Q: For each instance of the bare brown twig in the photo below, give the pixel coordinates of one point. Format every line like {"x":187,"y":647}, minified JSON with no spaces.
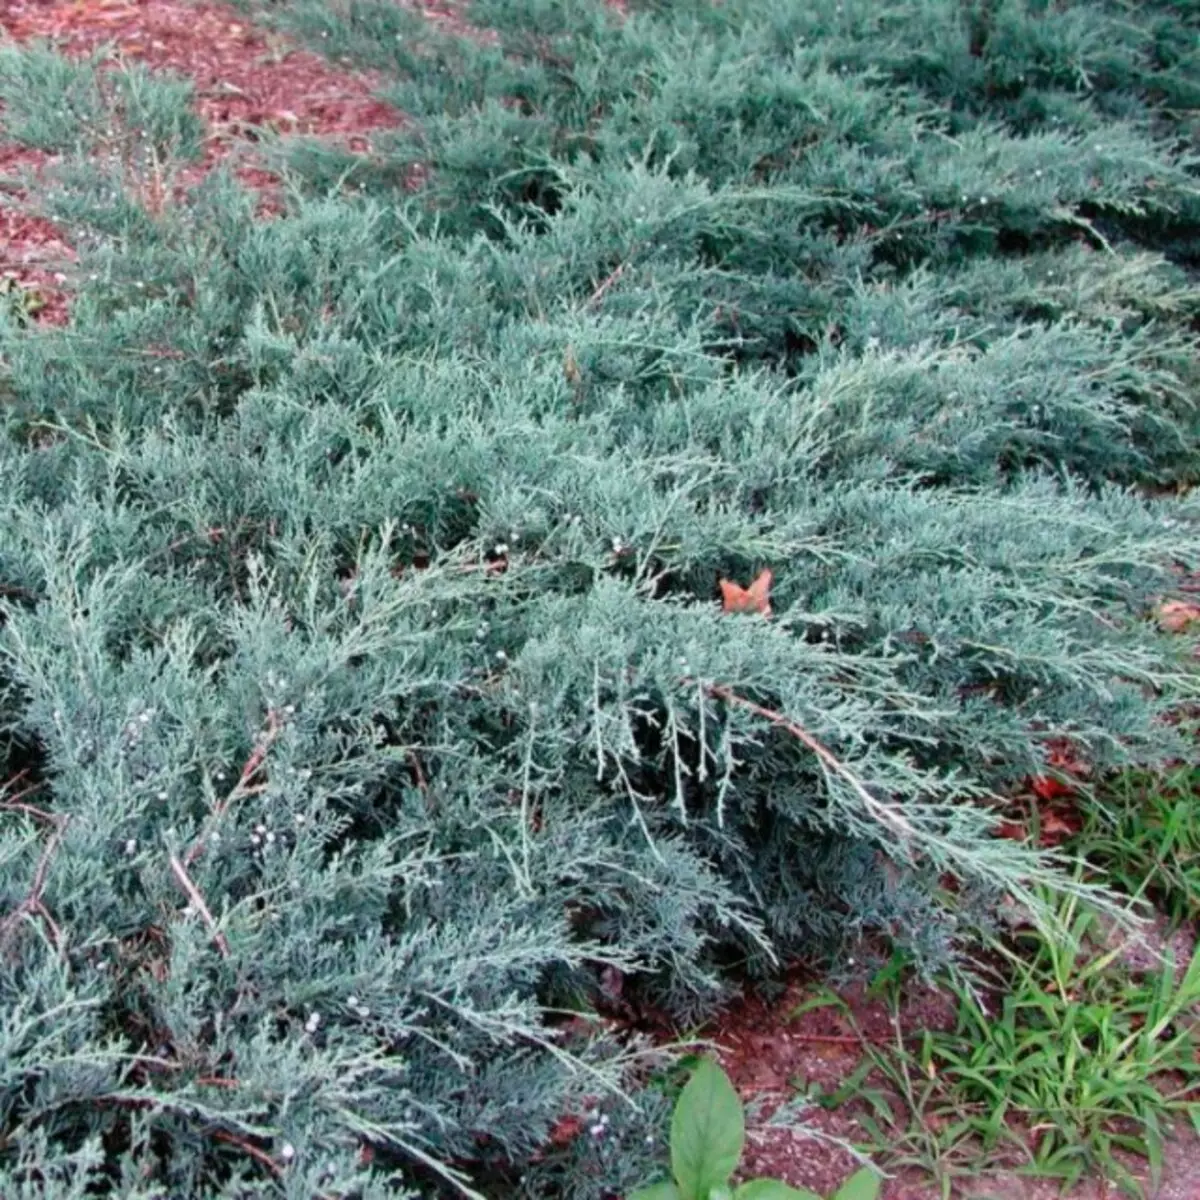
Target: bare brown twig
{"x":197,"y":902}
{"x":32,"y":904}
{"x":886,"y":814}
{"x":261,"y":1156}
{"x":605,"y":284}
{"x":29,"y":810}
{"x":243,"y":787}
{"x":51,"y":925}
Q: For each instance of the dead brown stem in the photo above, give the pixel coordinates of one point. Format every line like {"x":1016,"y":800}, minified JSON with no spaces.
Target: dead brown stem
{"x":51,"y":925}
{"x":886,"y":814}
{"x":243,"y":787}
{"x":197,"y":902}
{"x":605,"y":284}
{"x":29,"y":810}
{"x":260,"y":1156}
{"x":33,"y":898}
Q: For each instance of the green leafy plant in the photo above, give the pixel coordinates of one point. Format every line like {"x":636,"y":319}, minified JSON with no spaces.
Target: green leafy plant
{"x":1074,"y":1060}
{"x":707,"y":1134}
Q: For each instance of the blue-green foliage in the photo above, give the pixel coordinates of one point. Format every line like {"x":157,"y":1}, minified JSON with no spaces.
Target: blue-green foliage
{"x":417,"y":502}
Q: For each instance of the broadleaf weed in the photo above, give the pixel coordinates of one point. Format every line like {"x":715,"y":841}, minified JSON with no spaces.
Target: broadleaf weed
{"x":707,"y":1136}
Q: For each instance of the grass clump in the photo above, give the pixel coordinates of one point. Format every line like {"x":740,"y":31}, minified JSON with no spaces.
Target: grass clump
{"x":1065,"y":1069}
{"x":1143,"y":832}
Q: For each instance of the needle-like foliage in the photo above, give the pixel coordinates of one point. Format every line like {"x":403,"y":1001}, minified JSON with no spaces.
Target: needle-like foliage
{"x":367,"y":700}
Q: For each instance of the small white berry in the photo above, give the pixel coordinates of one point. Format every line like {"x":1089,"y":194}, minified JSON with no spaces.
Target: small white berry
{"x":287,"y":1151}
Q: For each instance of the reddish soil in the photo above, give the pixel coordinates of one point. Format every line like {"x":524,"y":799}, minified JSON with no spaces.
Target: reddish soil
{"x":769,"y":1055}
{"x":33,"y":254}
{"x":243,"y":77}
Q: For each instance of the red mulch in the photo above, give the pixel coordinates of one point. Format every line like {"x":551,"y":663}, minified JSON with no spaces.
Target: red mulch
{"x":242,"y":76}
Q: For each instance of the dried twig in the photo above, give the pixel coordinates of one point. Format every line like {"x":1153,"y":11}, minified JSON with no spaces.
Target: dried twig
{"x":886,"y":814}
{"x":261,"y":1156}
{"x":214,"y":535}
{"x":243,"y":787}
{"x":197,"y":902}
{"x":32,"y":903}
{"x":16,"y":801}
{"x":418,"y":774}
{"x":842,"y":1039}
{"x":51,"y":925}
{"x":605,"y":284}
{"x":29,"y":810}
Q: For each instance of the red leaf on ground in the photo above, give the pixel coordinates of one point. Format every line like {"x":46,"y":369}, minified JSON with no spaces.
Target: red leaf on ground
{"x":565,"y":1130}
{"x":1046,"y":787}
{"x":1055,"y":826}
{"x":1014,"y":831}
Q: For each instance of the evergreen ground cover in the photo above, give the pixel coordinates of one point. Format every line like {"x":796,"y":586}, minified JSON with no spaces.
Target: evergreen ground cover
{"x":367,"y":700}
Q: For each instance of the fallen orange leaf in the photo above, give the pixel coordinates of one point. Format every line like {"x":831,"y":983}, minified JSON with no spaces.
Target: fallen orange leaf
{"x":1177,"y":615}
{"x":565,"y":1130}
{"x":1054,"y":827}
{"x":755,"y":598}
